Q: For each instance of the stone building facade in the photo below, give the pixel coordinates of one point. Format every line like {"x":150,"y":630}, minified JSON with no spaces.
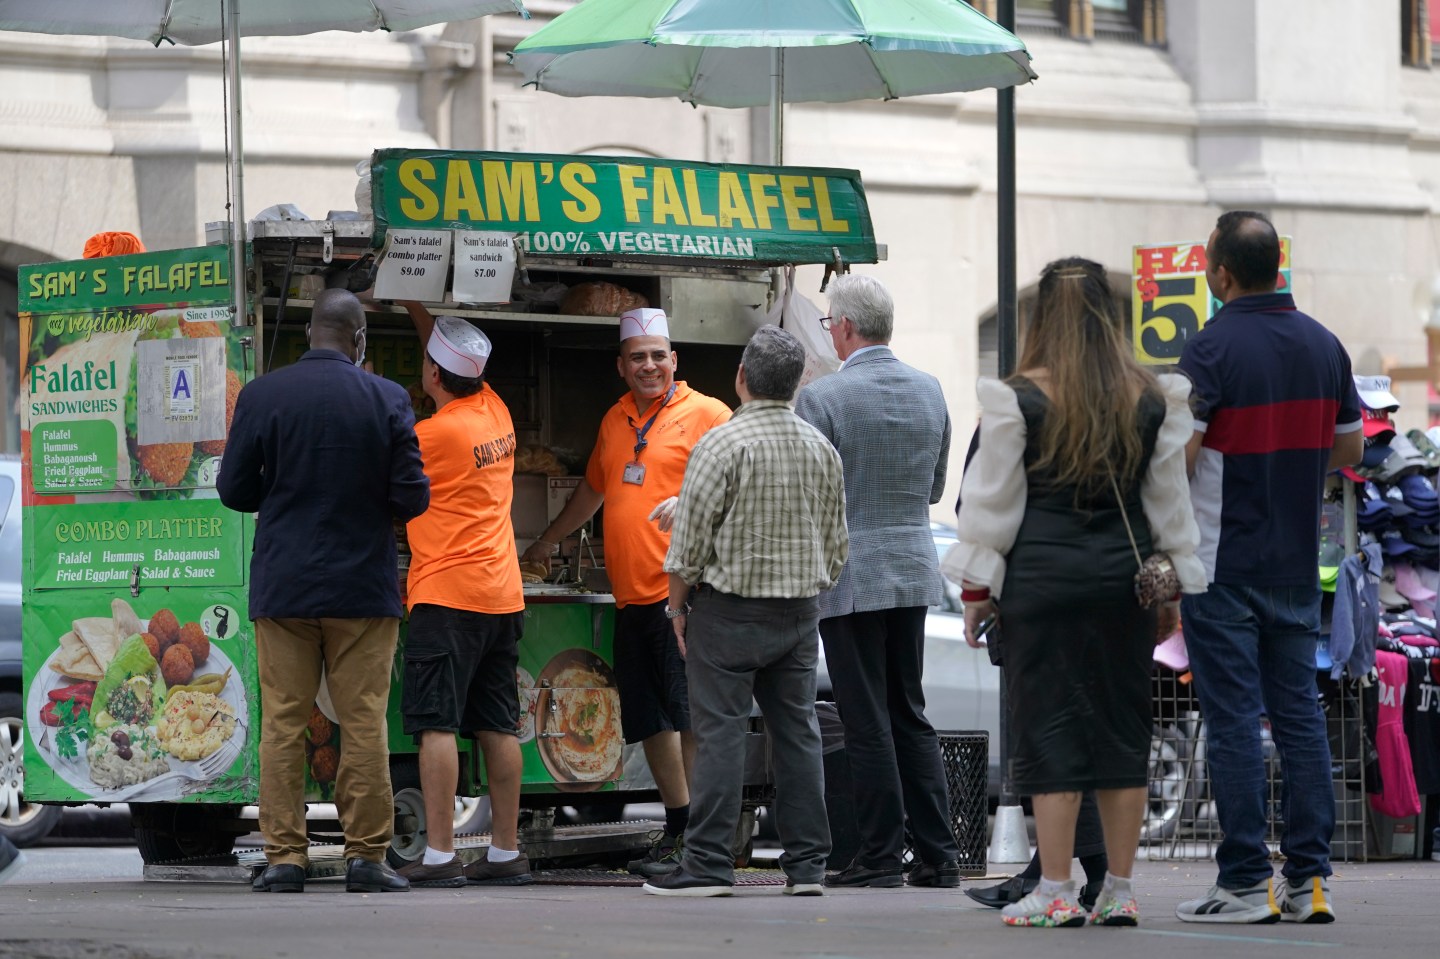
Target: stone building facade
{"x":1149,"y":118}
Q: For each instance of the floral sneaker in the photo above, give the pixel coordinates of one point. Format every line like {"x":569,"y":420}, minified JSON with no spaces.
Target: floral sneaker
{"x":1115,"y":909}
{"x":1057,"y":909}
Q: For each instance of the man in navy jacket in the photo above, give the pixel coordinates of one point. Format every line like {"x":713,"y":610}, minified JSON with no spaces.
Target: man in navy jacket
{"x":326,"y":455}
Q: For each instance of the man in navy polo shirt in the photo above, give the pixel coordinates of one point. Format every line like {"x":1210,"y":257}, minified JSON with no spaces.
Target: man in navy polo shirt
{"x":1275,"y":410}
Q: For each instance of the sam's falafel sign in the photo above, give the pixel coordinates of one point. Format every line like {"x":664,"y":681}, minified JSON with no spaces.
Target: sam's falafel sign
{"x":138,"y":657}
{"x":604,"y":206}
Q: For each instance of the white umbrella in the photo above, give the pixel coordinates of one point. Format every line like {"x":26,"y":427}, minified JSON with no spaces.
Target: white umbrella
{"x":194,"y":22}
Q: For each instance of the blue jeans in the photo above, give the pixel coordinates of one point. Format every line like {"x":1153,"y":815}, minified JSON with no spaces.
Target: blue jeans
{"x":1253,"y":653}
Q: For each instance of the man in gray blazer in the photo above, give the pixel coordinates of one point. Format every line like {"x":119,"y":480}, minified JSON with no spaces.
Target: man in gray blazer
{"x":890,"y":424}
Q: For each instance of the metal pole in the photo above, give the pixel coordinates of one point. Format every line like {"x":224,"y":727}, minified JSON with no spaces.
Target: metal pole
{"x":1009,"y":842}
{"x":237,"y":171}
{"x":777,"y":106}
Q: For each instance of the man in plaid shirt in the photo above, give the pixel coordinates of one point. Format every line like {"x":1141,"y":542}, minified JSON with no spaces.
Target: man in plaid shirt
{"x":759,"y":532}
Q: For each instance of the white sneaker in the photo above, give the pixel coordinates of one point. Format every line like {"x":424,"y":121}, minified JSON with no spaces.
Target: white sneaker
{"x":1306,"y":901}
{"x":793,"y":888}
{"x":1055,"y":910}
{"x":1253,"y":905}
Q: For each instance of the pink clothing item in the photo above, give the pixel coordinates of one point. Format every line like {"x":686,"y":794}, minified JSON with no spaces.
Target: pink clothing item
{"x":1398,"y":797}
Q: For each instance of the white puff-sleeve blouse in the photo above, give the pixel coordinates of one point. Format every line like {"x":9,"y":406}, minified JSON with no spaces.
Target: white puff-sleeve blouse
{"x":992,"y":494}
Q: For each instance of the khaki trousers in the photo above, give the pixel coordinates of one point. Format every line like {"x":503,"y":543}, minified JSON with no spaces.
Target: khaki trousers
{"x":356,"y":655}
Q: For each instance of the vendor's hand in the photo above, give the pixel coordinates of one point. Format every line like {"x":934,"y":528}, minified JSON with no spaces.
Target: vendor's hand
{"x":1167,"y":621}
{"x":540,"y":552}
{"x":664,"y":514}
{"x":678,"y":624}
{"x":975,"y":614}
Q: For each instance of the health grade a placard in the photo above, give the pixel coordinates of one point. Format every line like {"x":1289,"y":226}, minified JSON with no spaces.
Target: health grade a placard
{"x":1171,"y":299}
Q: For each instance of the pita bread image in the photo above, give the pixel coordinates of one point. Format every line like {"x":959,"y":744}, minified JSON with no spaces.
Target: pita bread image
{"x":74,"y":660}
{"x":100,"y":637}
{"x":127,"y":624}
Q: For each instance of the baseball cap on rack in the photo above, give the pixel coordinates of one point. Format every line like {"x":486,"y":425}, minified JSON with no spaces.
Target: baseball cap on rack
{"x":1394,"y":544}
{"x":1390,"y":596}
{"x":1408,"y":582}
{"x":1377,"y":426}
{"x":1375,"y":393}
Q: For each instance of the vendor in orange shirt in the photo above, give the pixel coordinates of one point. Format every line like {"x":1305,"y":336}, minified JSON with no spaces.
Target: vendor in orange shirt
{"x":466,"y":606}
{"x":635,"y":471}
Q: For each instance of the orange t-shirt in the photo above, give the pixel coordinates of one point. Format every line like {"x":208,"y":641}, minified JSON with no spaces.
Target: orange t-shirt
{"x":634,"y":546}
{"x":462,"y":549}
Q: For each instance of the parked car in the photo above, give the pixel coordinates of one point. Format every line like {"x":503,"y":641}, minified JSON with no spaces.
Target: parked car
{"x":23,"y":823}
{"x":962,"y":689}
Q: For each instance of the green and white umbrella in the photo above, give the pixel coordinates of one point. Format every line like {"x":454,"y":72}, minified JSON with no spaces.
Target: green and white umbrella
{"x":745,"y":53}
{"x":195,"y":22}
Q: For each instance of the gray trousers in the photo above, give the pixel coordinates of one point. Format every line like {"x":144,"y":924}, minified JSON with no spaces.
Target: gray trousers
{"x":765,"y":649}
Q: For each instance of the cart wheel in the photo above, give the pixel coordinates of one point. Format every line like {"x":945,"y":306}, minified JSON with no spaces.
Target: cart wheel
{"x":167,"y":832}
{"x":408,"y":843}
{"x":23,"y":823}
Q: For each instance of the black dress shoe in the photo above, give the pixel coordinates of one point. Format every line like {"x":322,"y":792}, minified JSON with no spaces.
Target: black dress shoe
{"x":1002,"y":895}
{"x":362,"y":875}
{"x":285,"y":877}
{"x":858,"y":875}
{"x":945,"y":875}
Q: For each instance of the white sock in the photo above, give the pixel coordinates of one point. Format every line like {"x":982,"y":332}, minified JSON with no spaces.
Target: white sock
{"x":1056,"y":889}
{"x":434,"y":857}
{"x":496,"y":854}
{"x":1118,"y":885}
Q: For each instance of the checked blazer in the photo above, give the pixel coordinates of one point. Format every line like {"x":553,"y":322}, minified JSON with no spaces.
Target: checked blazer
{"x":891,"y":426}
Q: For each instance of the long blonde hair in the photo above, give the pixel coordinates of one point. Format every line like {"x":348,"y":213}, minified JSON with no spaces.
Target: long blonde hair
{"x":1089,"y":433}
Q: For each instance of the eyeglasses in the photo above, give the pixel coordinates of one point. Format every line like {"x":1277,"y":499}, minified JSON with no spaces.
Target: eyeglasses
{"x":825,"y":322}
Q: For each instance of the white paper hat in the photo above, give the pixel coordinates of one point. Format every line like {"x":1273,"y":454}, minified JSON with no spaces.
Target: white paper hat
{"x":1375,"y":393}
{"x":458,"y":346}
{"x":643,"y":322}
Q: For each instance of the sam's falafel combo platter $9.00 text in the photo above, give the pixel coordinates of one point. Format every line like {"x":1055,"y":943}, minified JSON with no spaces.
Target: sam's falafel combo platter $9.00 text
{"x":139,"y":658}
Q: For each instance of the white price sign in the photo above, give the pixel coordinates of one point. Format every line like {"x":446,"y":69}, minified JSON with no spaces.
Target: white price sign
{"x":484,"y":267}
{"x":414,"y":265}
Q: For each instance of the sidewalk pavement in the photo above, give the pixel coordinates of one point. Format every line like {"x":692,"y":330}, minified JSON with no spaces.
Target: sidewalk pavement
{"x":1384,"y":909}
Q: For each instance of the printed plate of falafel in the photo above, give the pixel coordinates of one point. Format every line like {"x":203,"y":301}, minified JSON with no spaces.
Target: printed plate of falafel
{"x":122,"y":701}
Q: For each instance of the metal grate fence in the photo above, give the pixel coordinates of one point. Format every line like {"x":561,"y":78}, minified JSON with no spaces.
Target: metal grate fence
{"x":1181,"y":821}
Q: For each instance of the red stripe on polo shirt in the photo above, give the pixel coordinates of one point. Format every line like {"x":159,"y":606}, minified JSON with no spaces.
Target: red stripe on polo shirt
{"x":1289,"y":425}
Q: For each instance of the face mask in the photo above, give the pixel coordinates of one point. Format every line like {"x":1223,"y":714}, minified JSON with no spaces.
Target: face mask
{"x":360,"y":342}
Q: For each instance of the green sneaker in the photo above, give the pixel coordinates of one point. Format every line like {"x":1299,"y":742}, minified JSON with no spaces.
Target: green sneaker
{"x":663,"y":857}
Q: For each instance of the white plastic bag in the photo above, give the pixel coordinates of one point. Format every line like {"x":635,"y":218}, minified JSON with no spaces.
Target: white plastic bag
{"x":798,"y":316}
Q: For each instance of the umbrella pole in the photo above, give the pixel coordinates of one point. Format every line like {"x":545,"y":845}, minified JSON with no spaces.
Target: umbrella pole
{"x":1009,"y":842}
{"x":777,"y":106}
{"x":237,"y":173}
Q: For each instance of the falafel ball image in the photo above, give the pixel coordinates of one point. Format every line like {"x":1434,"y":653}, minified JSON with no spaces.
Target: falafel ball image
{"x":177,"y":665}
{"x":193,"y":638}
{"x":165,"y":463}
{"x":324,"y":764}
{"x":166,"y":628}
{"x":232,"y":393}
{"x":152,"y":644}
{"x":320,"y":728}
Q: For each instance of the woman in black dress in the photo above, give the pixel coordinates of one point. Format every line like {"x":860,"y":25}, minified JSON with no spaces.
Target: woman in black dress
{"x":1042,"y":530}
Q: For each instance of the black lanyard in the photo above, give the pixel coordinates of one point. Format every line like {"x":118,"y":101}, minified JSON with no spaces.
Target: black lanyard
{"x":640,"y":431}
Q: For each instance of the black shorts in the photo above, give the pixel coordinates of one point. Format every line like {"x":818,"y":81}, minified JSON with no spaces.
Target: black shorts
{"x":460,"y":671}
{"x":650,"y":672}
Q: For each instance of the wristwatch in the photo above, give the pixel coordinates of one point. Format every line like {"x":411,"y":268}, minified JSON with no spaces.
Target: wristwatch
{"x":677,"y":613}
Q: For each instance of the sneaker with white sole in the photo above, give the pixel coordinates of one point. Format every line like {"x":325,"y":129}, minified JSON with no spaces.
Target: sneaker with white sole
{"x":1115,"y":909}
{"x":1307,"y":900}
{"x":793,"y":888}
{"x":1253,"y":905}
{"x":678,"y":882}
{"x":1046,"y":911}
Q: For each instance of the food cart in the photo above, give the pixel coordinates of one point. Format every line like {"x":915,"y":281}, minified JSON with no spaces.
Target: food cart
{"x":138,"y":650}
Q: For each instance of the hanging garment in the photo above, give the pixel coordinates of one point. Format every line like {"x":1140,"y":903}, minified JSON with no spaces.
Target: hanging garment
{"x":1356,"y":622}
{"x":1399,"y":798}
